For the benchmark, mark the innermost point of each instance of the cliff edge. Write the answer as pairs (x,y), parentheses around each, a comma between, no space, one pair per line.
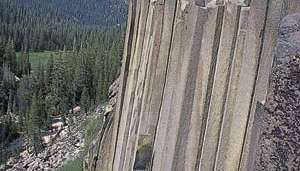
(197,83)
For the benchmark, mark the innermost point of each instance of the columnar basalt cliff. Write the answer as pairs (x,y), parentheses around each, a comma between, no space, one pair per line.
(194,81)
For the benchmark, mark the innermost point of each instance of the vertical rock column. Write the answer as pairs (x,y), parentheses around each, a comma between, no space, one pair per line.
(157,88)
(206,65)
(174,118)
(243,38)
(155,77)
(132,125)
(220,85)
(122,85)
(125,117)
(193,72)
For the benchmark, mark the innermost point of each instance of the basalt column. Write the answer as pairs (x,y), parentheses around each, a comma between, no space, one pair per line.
(194,81)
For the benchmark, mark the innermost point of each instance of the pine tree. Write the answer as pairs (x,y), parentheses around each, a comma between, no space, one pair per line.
(2,51)
(85,100)
(33,125)
(41,89)
(24,65)
(71,62)
(10,57)
(49,72)
(59,89)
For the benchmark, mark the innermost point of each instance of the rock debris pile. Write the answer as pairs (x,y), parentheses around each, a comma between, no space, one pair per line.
(67,146)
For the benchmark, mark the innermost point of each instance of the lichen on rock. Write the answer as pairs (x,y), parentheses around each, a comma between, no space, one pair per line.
(279,143)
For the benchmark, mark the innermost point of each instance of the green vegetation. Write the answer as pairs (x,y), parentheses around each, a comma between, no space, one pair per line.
(59,81)
(90,129)
(39,58)
(36,25)
(74,165)
(143,155)
(34,123)
(85,100)
(54,56)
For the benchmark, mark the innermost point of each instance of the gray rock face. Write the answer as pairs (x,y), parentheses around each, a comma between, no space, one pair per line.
(99,150)
(280,140)
(193,77)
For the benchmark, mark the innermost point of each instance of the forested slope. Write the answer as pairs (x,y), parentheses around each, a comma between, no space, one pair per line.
(49,25)
(82,42)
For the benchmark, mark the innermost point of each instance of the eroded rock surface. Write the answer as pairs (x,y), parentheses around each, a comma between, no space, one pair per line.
(280,141)
(96,158)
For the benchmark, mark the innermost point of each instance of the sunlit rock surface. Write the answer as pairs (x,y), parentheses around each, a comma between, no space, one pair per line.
(194,80)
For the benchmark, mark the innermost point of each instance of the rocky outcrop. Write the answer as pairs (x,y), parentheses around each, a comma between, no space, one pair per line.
(99,149)
(194,79)
(280,138)
(67,145)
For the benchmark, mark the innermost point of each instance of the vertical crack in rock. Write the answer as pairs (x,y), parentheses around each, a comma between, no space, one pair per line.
(192,54)
(170,26)
(216,45)
(123,81)
(133,124)
(131,83)
(260,14)
(218,95)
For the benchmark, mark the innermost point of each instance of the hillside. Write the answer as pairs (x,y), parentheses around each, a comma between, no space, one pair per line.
(86,12)
(50,25)
(55,56)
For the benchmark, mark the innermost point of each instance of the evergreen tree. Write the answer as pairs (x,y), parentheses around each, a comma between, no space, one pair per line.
(41,89)
(24,66)
(10,58)
(33,125)
(51,25)
(2,51)
(59,88)
(85,100)
(80,75)
(49,72)
(24,95)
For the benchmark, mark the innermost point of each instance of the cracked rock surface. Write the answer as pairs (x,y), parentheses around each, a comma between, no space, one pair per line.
(280,141)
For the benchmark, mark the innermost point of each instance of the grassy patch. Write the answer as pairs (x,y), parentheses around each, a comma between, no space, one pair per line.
(90,129)
(74,165)
(37,58)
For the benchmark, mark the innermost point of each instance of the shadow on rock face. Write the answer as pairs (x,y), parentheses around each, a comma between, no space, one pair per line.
(143,155)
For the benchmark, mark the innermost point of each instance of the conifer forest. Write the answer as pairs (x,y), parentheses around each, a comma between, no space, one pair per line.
(55,55)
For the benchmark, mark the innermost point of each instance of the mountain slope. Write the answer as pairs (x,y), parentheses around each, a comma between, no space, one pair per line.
(50,25)
(87,12)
